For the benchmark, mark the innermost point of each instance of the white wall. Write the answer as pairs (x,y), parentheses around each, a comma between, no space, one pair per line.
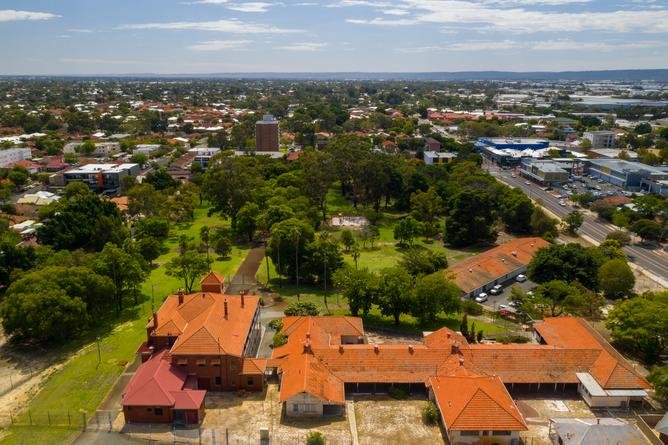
(12,155)
(457,438)
(306,406)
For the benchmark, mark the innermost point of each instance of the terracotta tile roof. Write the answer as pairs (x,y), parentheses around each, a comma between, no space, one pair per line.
(474,272)
(476,403)
(445,338)
(253,366)
(158,383)
(528,363)
(610,369)
(201,325)
(305,373)
(213,278)
(121,202)
(320,331)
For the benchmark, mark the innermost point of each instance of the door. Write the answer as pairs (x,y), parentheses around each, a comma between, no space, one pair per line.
(203,383)
(179,417)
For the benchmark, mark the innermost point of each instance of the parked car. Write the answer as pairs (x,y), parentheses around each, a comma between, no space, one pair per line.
(562,203)
(527,182)
(521,278)
(481,298)
(496,290)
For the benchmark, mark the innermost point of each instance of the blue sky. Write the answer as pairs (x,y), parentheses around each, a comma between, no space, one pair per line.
(206,36)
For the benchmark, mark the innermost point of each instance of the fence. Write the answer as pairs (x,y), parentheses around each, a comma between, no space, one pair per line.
(10,381)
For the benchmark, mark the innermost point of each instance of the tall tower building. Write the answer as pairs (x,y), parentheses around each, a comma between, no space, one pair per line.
(266,134)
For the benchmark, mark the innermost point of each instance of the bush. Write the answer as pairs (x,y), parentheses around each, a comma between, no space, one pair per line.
(279,339)
(619,235)
(303,308)
(470,307)
(315,438)
(276,324)
(430,413)
(398,393)
(506,339)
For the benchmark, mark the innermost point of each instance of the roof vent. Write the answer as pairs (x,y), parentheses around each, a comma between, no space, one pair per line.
(341,349)
(470,270)
(225,306)
(461,361)
(375,348)
(307,347)
(513,253)
(180,297)
(410,348)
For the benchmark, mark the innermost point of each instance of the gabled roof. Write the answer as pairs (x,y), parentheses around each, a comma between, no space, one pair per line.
(305,374)
(476,271)
(201,325)
(597,431)
(213,278)
(253,366)
(158,383)
(320,331)
(476,403)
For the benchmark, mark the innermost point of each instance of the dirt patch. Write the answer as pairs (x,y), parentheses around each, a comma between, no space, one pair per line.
(382,420)
(376,336)
(538,412)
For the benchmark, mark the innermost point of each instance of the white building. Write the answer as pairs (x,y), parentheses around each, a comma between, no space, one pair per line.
(146,149)
(12,155)
(600,139)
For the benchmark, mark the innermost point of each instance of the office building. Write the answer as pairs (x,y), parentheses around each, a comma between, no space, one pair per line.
(438,157)
(101,178)
(600,139)
(546,172)
(631,176)
(266,134)
(510,151)
(203,155)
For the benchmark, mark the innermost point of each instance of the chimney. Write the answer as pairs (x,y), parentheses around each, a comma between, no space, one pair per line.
(375,348)
(155,320)
(513,253)
(308,335)
(307,347)
(461,361)
(180,297)
(225,305)
(410,348)
(455,348)
(243,298)
(448,335)
(341,349)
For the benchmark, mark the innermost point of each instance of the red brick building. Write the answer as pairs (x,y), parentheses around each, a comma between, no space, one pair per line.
(209,338)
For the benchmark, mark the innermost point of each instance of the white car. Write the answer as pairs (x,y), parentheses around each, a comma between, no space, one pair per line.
(521,278)
(481,298)
(562,203)
(496,290)
(527,182)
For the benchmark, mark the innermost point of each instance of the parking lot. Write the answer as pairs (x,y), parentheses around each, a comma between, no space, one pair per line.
(496,302)
(598,187)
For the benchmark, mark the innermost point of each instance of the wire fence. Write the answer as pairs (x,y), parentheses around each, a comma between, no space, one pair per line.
(12,380)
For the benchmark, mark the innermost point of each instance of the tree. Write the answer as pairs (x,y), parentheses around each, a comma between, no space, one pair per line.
(150,248)
(620,236)
(425,207)
(287,245)
(247,220)
(516,211)
(393,296)
(406,230)
(222,241)
(144,199)
(418,261)
(82,221)
(86,148)
(160,179)
(347,239)
(301,309)
(13,258)
(358,286)
(542,225)
(189,266)
(640,324)
(659,379)
(470,219)
(573,221)
(434,293)
(555,295)
(205,239)
(566,262)
(154,227)
(616,279)
(18,176)
(322,258)
(46,316)
(647,230)
(123,268)
(139,158)
(643,128)
(319,173)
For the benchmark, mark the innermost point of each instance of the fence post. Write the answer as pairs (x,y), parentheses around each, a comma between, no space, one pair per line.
(30,417)
(11,382)
(110,422)
(48,415)
(69,419)
(11,418)
(83,416)
(199,436)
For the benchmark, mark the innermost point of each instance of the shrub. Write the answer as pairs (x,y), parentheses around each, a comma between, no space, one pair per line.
(315,438)
(619,235)
(303,308)
(276,324)
(398,393)
(470,307)
(430,413)
(279,339)
(512,339)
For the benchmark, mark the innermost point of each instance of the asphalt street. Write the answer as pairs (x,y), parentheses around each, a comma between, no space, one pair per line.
(651,259)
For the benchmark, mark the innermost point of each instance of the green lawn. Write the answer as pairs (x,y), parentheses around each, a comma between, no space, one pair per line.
(82,384)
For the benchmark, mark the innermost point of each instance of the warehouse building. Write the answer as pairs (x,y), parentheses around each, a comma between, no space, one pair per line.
(546,172)
(631,176)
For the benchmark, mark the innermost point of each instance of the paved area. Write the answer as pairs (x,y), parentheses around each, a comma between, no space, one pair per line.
(538,411)
(244,279)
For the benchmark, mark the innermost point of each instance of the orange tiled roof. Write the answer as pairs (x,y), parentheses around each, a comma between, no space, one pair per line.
(305,373)
(474,272)
(213,278)
(201,325)
(476,403)
(253,366)
(320,331)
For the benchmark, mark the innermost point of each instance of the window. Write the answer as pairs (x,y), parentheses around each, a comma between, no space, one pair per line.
(218,380)
(215,361)
(500,433)
(295,408)
(250,381)
(158,411)
(182,362)
(201,362)
(469,433)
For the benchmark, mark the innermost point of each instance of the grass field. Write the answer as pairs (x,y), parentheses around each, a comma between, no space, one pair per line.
(83,383)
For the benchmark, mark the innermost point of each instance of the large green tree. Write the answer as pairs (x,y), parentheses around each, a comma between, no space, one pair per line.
(123,268)
(358,286)
(394,293)
(470,219)
(433,294)
(566,262)
(188,265)
(616,278)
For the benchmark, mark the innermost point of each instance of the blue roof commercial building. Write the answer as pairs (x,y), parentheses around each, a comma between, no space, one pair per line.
(632,176)
(510,151)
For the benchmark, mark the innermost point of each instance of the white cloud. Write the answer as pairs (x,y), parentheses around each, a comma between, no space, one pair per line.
(303,46)
(81,30)
(12,15)
(250,7)
(232,26)
(552,45)
(515,16)
(396,12)
(220,45)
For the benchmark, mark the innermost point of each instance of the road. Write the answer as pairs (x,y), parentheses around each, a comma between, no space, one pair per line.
(653,261)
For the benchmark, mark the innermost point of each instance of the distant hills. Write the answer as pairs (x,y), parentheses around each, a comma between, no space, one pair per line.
(615,75)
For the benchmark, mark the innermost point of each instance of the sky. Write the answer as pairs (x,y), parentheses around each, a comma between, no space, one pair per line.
(221,36)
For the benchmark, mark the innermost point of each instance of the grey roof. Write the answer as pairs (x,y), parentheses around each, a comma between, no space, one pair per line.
(662,426)
(597,431)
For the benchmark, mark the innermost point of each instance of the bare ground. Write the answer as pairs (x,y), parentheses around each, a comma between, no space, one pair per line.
(537,413)
(382,420)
